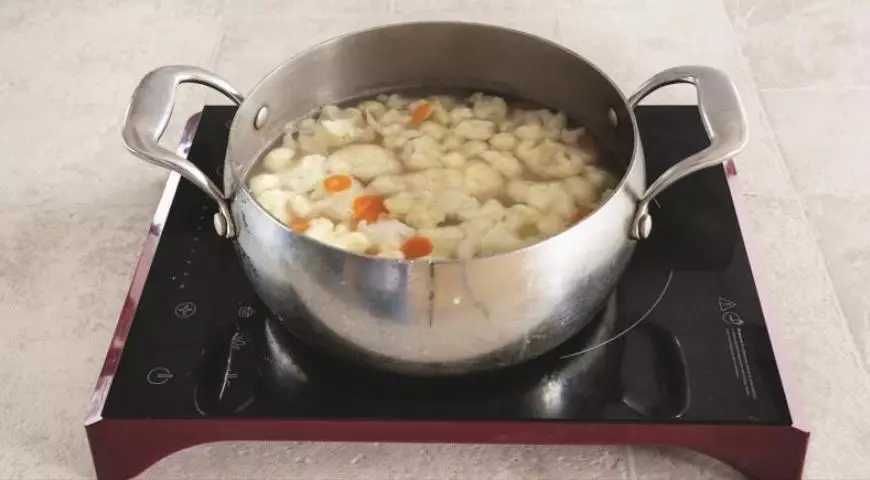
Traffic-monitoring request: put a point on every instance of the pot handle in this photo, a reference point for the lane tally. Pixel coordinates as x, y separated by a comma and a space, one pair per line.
723, 117
148, 115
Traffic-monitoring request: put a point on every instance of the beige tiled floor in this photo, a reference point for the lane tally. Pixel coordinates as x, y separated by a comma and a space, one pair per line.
76, 204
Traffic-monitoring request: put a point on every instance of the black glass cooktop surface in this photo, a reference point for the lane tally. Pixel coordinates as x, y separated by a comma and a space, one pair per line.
202, 345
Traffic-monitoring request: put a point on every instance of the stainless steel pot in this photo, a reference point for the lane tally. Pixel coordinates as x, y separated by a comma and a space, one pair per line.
442, 317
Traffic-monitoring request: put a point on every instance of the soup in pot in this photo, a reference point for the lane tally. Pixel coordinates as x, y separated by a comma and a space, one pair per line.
434, 178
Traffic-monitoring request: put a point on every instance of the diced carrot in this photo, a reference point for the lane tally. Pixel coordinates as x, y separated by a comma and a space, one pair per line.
368, 208
337, 183
421, 113
299, 225
416, 247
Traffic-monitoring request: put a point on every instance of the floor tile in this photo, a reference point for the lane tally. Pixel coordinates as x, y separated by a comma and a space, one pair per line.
823, 137
783, 40
787, 263
842, 226
338, 461
633, 40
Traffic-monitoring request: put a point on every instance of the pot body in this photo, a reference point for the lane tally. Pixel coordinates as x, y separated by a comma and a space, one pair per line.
425, 317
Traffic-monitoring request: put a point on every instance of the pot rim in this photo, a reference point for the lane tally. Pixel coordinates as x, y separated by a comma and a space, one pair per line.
242, 187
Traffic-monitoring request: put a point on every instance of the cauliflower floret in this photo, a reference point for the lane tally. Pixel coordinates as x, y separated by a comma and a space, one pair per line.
453, 202
444, 240
481, 180
394, 117
459, 114
492, 211
553, 124
531, 132
364, 162
425, 216
387, 185
374, 108
354, 242
551, 224
504, 162
503, 141
547, 197
275, 202
397, 102
289, 140
452, 142
474, 129
338, 206
499, 239
263, 182
320, 229
401, 203
453, 160
435, 179
571, 136
487, 107
400, 138
278, 159
473, 148
600, 178
306, 175
418, 209
422, 153
583, 190
522, 219
551, 159
434, 130
387, 234
300, 206
393, 254
341, 131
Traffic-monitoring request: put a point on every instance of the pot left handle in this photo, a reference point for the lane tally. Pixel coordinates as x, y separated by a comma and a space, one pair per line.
148, 116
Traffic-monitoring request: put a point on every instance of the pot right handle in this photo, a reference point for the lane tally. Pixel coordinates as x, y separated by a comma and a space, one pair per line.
723, 117
148, 116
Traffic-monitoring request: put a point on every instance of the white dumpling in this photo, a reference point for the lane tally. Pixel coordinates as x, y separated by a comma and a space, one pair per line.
422, 153
364, 162
504, 162
305, 175
481, 180
473, 129
571, 137
503, 141
263, 182
551, 224
487, 107
600, 178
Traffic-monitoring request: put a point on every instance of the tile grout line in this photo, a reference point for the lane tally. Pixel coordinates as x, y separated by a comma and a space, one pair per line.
798, 198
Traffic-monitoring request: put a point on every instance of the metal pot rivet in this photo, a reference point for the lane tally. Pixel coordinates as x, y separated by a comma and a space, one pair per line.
644, 225
611, 115
220, 224
261, 117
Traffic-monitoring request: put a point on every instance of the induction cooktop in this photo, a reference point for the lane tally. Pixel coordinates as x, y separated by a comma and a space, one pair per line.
680, 354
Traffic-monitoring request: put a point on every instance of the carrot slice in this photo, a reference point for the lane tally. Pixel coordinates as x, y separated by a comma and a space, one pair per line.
299, 225
337, 183
421, 113
368, 208
416, 247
